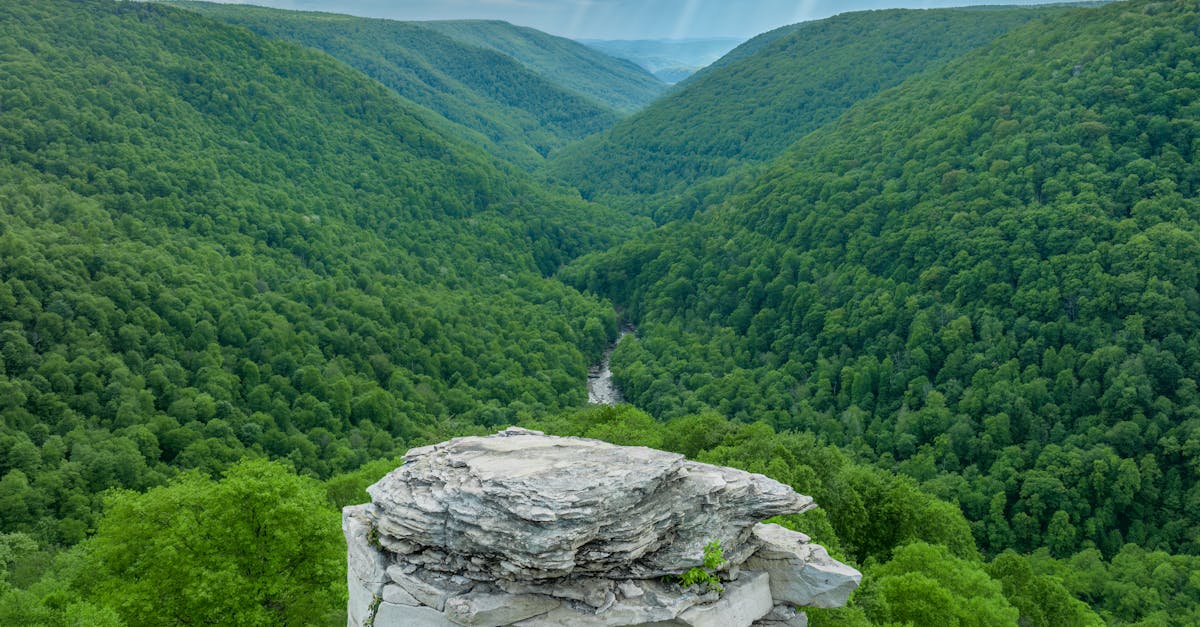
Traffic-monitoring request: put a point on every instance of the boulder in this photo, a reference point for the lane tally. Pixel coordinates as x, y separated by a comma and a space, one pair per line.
543, 507
493, 610
523, 529
782, 616
597, 592
362, 599
398, 596
743, 602
429, 588
364, 561
801, 573
390, 615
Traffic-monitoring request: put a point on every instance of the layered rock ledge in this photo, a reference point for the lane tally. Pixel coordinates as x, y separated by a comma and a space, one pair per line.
520, 528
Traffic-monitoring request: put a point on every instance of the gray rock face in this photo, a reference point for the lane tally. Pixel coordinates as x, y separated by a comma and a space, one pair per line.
551, 507
524, 529
783, 616
389, 615
365, 563
744, 601
492, 610
801, 573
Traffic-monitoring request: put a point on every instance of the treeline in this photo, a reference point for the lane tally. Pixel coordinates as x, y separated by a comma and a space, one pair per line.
920, 563
984, 279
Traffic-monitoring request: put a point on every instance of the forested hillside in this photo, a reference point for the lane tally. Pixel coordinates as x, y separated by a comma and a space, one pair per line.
504, 106
765, 95
616, 83
984, 279
216, 245
955, 299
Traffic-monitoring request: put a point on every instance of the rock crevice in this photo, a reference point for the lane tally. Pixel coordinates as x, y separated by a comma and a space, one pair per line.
520, 528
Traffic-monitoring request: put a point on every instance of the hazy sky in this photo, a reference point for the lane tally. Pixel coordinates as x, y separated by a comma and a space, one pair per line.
622, 19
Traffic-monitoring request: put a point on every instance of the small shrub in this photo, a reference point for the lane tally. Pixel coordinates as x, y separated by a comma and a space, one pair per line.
704, 576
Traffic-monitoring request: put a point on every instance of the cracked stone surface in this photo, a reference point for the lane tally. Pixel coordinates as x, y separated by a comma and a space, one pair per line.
537, 507
519, 528
801, 573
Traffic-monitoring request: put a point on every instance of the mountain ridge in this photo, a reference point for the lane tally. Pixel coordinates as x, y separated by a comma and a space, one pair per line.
560, 59
747, 109
512, 110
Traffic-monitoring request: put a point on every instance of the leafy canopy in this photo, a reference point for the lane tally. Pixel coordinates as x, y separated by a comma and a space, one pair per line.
259, 546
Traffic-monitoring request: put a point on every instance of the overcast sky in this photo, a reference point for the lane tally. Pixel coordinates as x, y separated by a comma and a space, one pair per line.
622, 19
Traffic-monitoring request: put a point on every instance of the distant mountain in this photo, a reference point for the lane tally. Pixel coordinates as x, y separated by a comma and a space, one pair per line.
504, 106
777, 88
616, 83
673, 75
671, 60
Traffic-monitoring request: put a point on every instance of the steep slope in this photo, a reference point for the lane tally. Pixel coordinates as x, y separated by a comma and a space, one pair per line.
985, 277
214, 244
615, 83
783, 85
505, 107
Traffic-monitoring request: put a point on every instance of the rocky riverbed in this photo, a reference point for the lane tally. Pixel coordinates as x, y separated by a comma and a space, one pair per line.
600, 386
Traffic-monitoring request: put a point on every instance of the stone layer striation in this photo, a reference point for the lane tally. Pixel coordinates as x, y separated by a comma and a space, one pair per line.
520, 528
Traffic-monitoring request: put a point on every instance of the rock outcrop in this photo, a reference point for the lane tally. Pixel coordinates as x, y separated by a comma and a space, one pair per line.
520, 528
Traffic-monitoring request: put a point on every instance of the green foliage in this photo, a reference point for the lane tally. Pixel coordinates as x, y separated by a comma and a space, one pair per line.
615, 83
494, 100
215, 245
705, 577
351, 488
926, 585
14, 547
622, 424
714, 557
258, 547
762, 97
1041, 599
1136, 587
983, 279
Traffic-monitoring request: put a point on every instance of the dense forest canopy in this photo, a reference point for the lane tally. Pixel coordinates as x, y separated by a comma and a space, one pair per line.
766, 94
984, 278
518, 111
216, 245
616, 83
243, 269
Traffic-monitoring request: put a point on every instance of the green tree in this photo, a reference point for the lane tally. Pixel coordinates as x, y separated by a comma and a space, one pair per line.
925, 584
259, 546
1042, 599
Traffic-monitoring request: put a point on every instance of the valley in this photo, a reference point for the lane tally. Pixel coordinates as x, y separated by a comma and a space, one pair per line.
935, 268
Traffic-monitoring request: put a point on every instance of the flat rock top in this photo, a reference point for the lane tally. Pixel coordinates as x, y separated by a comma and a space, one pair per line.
525, 506
562, 473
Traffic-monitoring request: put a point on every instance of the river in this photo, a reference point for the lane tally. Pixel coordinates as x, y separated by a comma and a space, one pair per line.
600, 386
